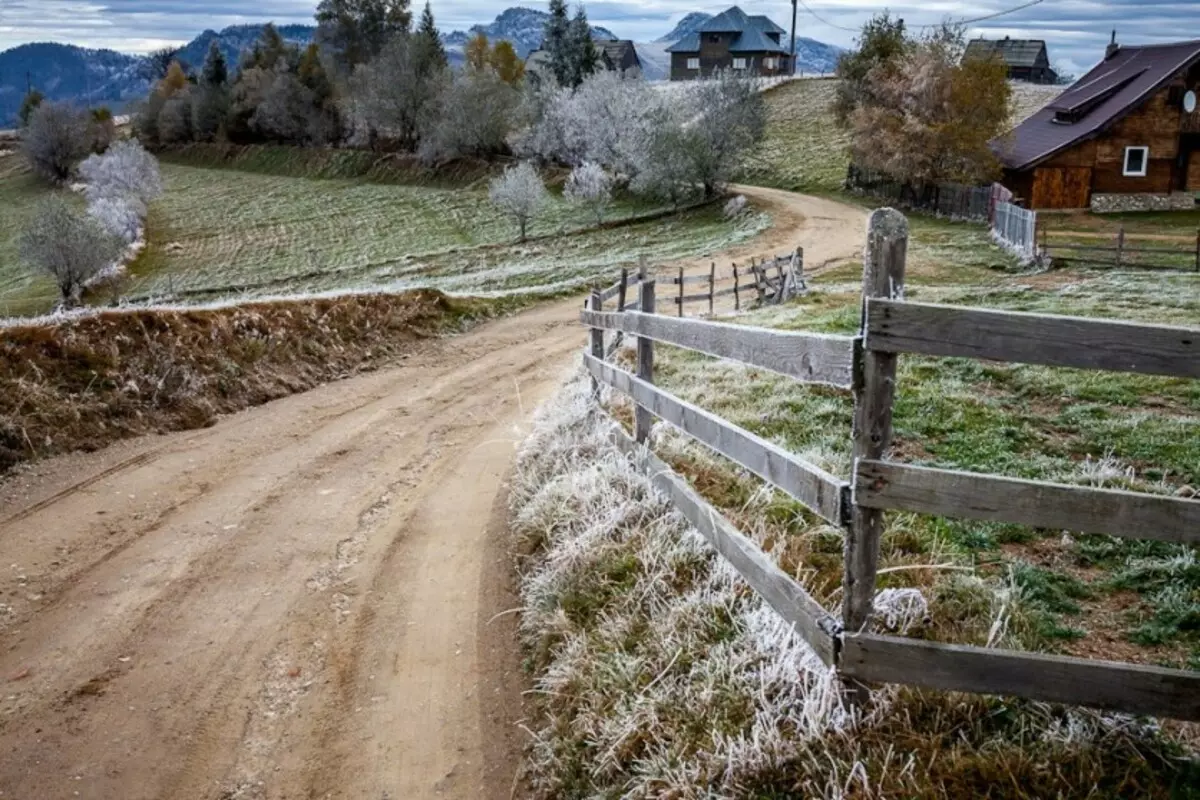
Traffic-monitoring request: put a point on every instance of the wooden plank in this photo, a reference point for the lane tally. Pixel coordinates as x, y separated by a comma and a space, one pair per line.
596, 338
883, 276
900, 327
1132, 688
691, 298
808, 483
643, 420
1039, 504
612, 291
781, 592
811, 357
679, 302
723, 292
687, 279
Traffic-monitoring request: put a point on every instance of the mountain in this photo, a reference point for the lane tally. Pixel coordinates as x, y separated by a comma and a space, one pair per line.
66, 72
688, 24
816, 57
521, 26
237, 39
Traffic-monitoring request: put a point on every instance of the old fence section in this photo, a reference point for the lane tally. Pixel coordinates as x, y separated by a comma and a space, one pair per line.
1016, 228
1122, 251
866, 365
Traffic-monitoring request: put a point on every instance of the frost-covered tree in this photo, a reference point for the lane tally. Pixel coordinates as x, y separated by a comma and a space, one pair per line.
520, 193
729, 119
121, 217
589, 186
397, 93
69, 246
473, 117
175, 119
125, 170
57, 137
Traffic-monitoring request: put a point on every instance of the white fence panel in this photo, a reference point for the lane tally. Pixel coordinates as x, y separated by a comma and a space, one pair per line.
1016, 229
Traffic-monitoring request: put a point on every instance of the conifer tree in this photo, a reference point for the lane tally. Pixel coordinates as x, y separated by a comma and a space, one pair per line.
429, 40
556, 42
216, 71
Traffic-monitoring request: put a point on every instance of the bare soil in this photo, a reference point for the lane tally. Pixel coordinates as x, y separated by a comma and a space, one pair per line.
305, 599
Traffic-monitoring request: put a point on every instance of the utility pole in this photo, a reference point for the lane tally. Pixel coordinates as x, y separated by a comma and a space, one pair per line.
794, 37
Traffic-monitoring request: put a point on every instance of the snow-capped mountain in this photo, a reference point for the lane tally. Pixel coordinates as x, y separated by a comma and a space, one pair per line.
237, 39
65, 72
522, 27
688, 24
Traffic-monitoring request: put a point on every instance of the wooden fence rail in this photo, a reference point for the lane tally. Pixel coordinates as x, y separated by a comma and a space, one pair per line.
866, 364
1119, 252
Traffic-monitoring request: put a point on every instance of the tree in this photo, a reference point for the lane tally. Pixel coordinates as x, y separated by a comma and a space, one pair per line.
104, 128
68, 246
174, 82
507, 64
31, 101
474, 115
356, 31
520, 193
326, 118
881, 45
477, 52
729, 120
429, 40
397, 92
591, 187
929, 118
155, 65
126, 170
271, 51
583, 54
557, 44
216, 71
57, 138
118, 217
175, 119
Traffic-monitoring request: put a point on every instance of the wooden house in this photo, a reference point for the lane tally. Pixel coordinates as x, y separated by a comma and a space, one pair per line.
1124, 137
731, 40
1026, 59
620, 56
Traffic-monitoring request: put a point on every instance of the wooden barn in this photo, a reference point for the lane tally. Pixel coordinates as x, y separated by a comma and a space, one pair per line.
1124, 137
1026, 59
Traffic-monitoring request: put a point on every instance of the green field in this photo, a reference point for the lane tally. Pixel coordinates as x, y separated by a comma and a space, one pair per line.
222, 232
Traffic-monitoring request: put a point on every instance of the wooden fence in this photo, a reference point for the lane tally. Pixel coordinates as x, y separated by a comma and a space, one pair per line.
954, 200
1016, 228
1122, 253
866, 365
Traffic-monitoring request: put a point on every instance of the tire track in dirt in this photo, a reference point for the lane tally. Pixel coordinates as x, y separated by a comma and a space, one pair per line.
296, 602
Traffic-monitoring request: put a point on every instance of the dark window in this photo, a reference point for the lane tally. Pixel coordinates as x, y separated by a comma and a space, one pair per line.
714, 39
1135, 161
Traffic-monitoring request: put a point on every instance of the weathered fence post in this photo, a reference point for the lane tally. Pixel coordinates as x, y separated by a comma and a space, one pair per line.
642, 419
779, 294
680, 300
1120, 244
712, 286
597, 338
1197, 249
621, 291
737, 297
758, 282
874, 387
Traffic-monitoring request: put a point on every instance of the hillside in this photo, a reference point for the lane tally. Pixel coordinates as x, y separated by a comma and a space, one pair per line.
66, 72
522, 27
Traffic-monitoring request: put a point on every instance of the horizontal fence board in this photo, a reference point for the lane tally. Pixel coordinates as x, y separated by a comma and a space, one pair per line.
898, 326
950, 493
811, 357
1126, 250
723, 292
615, 289
812, 622
1131, 688
811, 485
686, 279
690, 298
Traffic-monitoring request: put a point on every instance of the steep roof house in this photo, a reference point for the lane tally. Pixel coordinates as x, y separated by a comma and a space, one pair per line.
620, 56
1124, 137
1027, 59
731, 40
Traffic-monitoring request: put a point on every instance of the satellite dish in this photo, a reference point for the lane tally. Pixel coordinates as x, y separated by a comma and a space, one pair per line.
1189, 102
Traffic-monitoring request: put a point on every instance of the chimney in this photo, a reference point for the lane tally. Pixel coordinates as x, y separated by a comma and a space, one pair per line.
1112, 48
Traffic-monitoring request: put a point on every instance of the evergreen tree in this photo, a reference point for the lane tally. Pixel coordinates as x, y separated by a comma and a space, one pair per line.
584, 56
556, 42
216, 71
355, 31
270, 51
429, 40
29, 105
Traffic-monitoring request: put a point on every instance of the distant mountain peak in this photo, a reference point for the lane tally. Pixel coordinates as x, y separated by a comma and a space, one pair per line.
519, 25
688, 24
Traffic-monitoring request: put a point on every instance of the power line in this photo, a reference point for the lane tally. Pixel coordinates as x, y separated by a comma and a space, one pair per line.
970, 21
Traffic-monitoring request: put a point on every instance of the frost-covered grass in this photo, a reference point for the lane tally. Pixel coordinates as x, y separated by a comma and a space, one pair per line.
803, 150
658, 673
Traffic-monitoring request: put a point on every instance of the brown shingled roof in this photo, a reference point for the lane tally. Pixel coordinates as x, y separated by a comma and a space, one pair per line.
1108, 92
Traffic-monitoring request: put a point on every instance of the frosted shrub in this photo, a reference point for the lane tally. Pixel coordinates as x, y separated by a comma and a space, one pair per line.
520, 193
120, 216
589, 186
125, 170
70, 247
735, 207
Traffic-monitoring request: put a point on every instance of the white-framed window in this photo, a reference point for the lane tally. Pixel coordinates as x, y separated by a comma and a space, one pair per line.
693, 63
770, 62
739, 63
1136, 159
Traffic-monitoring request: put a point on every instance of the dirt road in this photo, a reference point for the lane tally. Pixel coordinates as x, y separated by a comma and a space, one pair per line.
299, 602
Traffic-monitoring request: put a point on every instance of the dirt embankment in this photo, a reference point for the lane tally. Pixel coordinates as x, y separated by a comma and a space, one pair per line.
90, 381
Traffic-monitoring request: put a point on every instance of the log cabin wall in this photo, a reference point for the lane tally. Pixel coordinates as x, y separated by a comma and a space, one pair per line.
1156, 125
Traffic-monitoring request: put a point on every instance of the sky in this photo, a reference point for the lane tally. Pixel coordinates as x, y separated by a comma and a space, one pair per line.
1075, 30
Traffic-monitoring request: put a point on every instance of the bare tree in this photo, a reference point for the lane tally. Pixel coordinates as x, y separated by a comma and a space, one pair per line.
729, 120
520, 193
175, 119
591, 187
397, 92
57, 137
69, 246
287, 112
474, 116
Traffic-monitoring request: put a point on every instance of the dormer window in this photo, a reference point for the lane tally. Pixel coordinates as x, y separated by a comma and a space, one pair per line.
1136, 159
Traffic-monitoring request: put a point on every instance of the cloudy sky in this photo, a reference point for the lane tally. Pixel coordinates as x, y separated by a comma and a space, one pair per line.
1075, 29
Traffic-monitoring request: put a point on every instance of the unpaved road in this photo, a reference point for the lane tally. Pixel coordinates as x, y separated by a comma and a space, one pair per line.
299, 602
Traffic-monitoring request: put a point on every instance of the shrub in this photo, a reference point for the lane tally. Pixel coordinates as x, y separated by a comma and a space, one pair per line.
119, 216
69, 246
57, 137
591, 187
126, 170
520, 193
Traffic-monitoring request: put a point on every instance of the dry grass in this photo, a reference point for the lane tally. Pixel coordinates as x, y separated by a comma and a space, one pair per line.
659, 673
97, 378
